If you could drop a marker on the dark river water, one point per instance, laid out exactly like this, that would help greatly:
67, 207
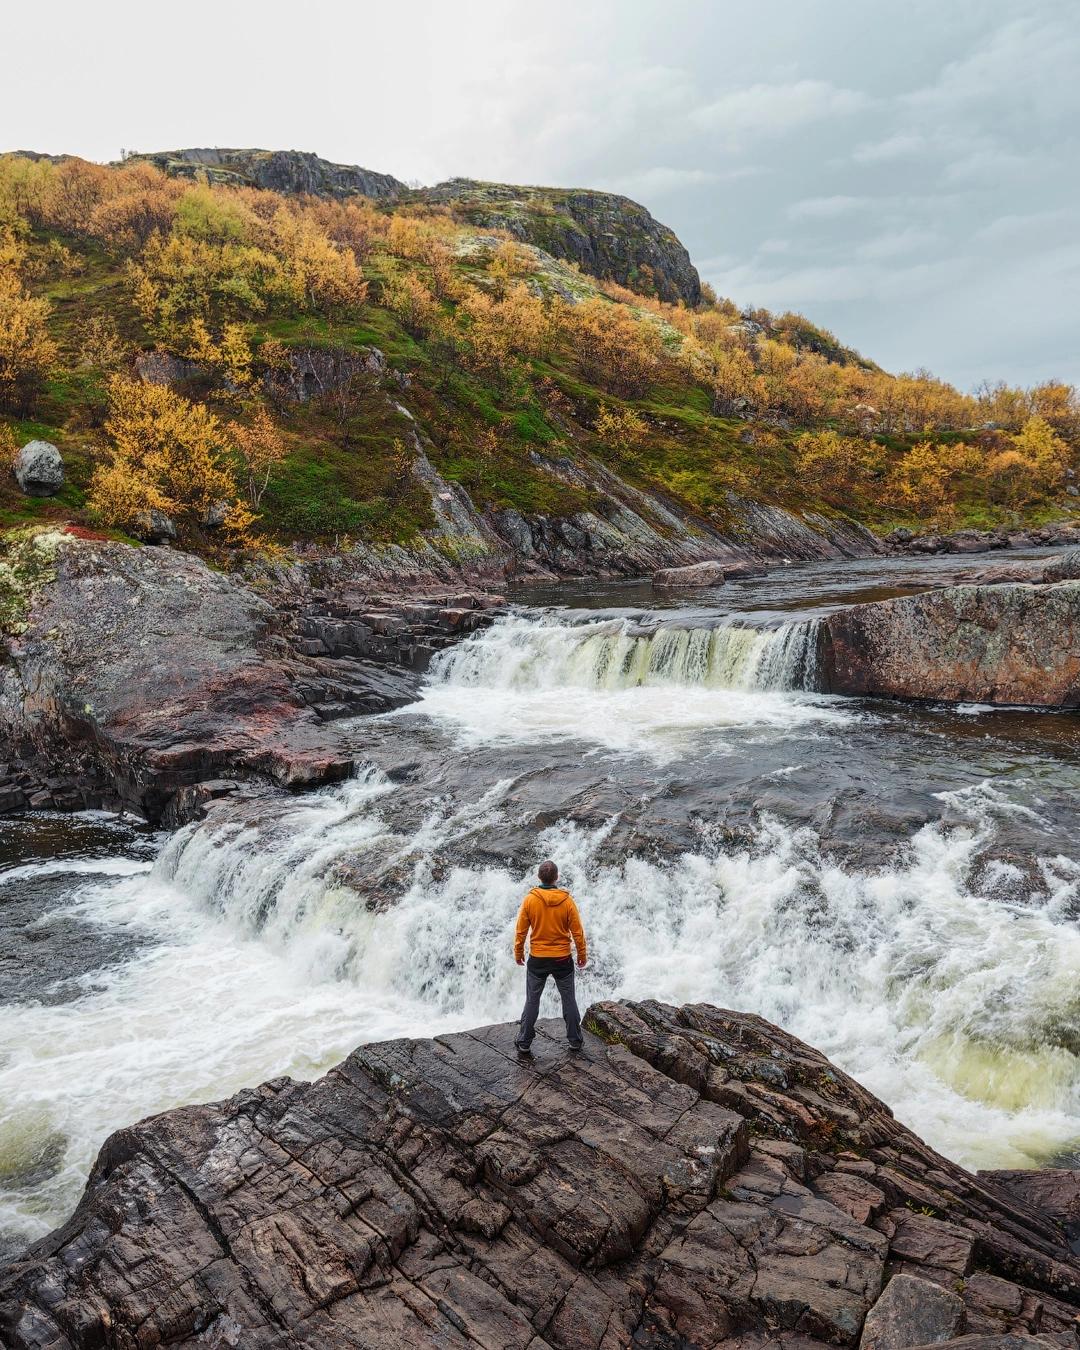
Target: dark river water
899, 885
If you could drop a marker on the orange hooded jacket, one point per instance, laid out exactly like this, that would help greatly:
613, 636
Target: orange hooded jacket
552, 918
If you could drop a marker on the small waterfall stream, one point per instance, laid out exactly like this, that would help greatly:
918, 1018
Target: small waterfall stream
619, 654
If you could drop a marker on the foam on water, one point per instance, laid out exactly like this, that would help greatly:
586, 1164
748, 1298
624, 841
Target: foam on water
628, 689
956, 1008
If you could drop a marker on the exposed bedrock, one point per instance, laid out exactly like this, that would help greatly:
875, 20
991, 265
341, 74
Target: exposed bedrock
695, 1178
1000, 644
142, 677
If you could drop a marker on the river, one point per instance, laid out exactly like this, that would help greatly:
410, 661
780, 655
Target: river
899, 885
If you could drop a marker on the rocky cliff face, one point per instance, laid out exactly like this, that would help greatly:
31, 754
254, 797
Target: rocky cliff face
1006, 644
279, 170
608, 236
695, 1178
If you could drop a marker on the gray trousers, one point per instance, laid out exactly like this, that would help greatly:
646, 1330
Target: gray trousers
536, 976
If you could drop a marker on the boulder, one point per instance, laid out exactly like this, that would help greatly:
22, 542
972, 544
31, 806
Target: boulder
696, 574
1065, 568
217, 513
168, 674
737, 571
660, 1189
1006, 644
165, 369
39, 469
155, 527
910, 1312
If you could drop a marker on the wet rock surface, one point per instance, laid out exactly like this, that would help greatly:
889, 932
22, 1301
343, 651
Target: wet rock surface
695, 1178
984, 541
142, 672
999, 644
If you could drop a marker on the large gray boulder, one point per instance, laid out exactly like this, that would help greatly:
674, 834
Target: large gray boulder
696, 574
39, 469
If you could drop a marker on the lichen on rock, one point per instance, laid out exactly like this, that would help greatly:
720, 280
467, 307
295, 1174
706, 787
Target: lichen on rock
27, 562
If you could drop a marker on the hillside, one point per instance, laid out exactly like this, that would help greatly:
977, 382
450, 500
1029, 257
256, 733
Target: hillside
276, 352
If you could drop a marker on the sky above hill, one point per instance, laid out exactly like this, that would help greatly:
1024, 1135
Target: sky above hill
905, 174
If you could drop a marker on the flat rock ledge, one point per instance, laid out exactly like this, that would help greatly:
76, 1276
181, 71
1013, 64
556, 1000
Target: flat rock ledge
695, 1178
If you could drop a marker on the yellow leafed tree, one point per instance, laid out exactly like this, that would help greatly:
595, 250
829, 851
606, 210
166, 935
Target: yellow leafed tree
27, 352
164, 453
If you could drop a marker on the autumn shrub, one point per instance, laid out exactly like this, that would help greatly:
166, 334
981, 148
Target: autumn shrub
259, 448
27, 352
164, 453
500, 330
620, 428
617, 350
835, 468
924, 482
1028, 466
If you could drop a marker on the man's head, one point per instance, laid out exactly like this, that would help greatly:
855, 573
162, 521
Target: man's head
548, 873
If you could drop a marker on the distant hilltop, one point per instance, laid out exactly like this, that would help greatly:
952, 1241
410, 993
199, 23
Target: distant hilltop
608, 236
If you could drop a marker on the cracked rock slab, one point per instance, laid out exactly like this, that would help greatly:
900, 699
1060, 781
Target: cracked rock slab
660, 1189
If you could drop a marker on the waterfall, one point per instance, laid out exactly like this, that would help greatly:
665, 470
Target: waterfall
519, 653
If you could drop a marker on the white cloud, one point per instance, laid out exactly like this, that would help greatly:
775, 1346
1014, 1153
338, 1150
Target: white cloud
827, 208
774, 109
895, 243
903, 145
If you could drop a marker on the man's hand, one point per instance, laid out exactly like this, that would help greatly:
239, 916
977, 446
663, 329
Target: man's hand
520, 960
582, 963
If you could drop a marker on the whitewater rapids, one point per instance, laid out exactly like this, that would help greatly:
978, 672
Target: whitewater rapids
943, 981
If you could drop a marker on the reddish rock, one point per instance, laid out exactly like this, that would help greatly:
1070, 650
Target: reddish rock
1007, 644
912, 1312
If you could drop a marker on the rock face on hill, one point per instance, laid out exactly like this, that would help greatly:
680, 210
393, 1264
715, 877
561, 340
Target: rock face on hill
279, 170
1004, 644
695, 1178
608, 236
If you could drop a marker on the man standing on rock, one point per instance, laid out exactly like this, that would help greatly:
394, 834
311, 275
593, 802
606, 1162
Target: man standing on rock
551, 917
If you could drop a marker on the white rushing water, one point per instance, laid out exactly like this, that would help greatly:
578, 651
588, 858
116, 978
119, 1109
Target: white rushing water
625, 688
256, 958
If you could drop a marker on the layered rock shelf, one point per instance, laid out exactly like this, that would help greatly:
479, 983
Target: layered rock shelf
145, 680
695, 1178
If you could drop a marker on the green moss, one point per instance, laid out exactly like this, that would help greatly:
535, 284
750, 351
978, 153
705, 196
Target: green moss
27, 562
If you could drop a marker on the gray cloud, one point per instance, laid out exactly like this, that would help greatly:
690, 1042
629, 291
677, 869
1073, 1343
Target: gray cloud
903, 174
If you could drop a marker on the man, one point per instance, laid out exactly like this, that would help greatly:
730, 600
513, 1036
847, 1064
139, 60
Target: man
551, 917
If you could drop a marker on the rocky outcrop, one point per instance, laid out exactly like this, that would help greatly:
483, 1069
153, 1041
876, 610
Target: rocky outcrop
983, 541
1002, 644
39, 469
1054, 1191
695, 1178
608, 236
705, 574
148, 673
278, 170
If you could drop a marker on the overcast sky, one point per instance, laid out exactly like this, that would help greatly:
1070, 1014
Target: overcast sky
904, 173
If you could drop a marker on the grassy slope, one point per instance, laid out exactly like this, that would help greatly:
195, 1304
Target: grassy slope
344, 479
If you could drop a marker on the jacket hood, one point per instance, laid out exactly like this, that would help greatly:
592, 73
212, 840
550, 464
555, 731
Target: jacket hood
552, 897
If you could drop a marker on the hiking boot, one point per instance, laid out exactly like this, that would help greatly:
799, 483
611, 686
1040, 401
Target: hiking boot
523, 1049
576, 1045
